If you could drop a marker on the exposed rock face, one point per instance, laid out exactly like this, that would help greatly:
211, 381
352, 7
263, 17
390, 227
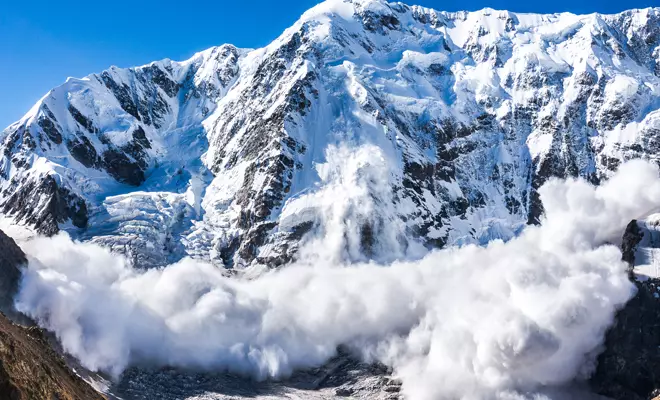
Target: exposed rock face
632, 236
629, 368
473, 112
11, 259
94, 136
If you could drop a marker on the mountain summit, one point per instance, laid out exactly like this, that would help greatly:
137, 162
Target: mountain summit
449, 122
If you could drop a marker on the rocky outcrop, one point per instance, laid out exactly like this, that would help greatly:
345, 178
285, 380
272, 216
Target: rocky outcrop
11, 260
44, 204
632, 236
629, 367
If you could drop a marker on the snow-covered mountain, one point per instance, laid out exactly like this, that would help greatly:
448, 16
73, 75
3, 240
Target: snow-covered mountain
226, 156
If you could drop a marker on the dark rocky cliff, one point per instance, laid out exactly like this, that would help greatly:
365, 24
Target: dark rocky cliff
11, 258
629, 368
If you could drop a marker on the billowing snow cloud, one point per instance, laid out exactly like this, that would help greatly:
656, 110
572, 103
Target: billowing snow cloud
470, 322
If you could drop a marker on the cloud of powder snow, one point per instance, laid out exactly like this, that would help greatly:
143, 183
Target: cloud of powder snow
471, 322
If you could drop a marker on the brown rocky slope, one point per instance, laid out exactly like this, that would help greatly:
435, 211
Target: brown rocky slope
29, 367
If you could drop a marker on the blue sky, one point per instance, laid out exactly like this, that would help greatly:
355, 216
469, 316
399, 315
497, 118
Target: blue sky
42, 42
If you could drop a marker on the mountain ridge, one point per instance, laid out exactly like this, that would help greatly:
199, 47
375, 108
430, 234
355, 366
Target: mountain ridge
471, 111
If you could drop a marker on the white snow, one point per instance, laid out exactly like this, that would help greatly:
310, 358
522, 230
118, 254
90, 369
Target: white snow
647, 255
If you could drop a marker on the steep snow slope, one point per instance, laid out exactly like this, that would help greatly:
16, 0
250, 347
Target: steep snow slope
462, 115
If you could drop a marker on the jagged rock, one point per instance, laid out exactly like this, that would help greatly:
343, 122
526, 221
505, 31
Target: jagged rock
631, 238
44, 204
629, 367
11, 260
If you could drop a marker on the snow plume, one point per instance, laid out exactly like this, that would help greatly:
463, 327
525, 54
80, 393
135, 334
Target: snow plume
471, 322
354, 211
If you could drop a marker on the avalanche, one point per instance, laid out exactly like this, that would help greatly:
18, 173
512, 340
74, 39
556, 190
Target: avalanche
470, 322
374, 178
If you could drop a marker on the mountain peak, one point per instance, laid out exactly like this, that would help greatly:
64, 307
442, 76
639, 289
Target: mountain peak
473, 110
